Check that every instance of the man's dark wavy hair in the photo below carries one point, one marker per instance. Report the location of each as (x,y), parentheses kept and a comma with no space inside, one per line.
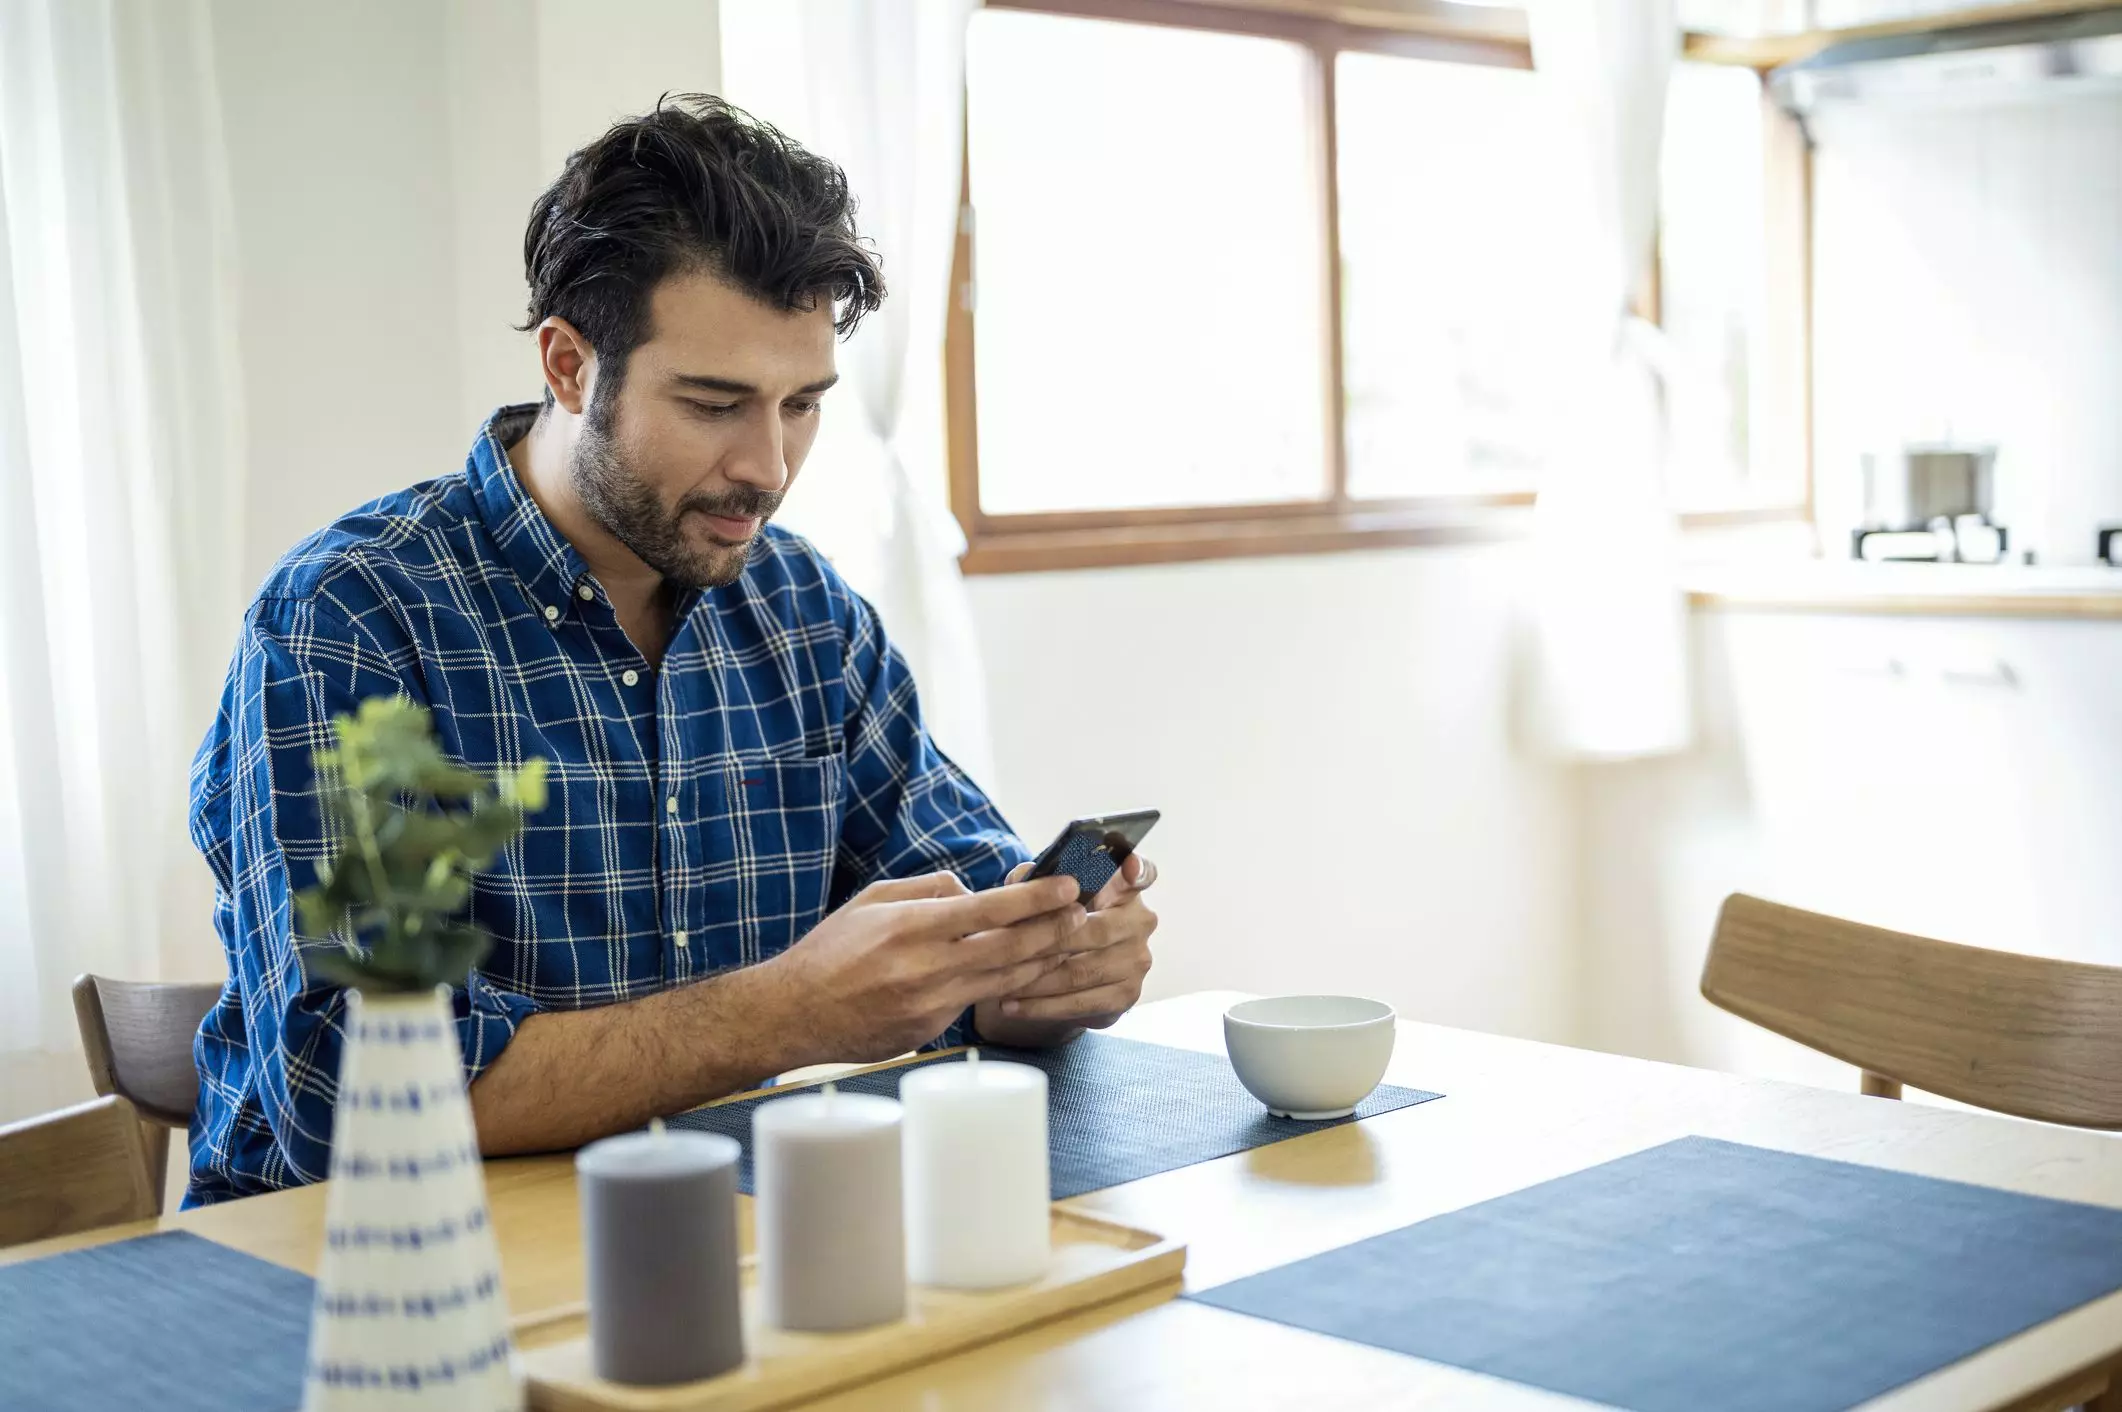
(695,185)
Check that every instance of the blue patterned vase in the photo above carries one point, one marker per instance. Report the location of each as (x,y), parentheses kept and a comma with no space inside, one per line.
(409,1312)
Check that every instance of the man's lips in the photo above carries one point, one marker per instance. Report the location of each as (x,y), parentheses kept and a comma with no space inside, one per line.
(724,527)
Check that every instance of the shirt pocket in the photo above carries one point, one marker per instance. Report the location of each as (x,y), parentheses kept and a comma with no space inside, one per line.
(785,818)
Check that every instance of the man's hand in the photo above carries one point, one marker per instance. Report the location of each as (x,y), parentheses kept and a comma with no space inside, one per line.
(891,969)
(1099,981)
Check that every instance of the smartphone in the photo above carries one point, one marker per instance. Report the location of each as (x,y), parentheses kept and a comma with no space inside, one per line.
(1092,850)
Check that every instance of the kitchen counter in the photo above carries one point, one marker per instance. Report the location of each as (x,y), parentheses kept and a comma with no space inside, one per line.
(1946,590)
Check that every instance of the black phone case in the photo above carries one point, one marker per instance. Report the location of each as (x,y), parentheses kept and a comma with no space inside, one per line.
(1092,850)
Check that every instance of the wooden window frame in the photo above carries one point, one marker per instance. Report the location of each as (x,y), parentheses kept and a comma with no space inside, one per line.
(1421,29)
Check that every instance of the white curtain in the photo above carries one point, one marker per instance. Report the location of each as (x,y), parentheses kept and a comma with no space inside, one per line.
(1608,615)
(880,89)
(120,498)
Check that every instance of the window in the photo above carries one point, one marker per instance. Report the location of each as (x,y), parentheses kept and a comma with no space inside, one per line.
(1441,333)
(1216,298)
(1173,200)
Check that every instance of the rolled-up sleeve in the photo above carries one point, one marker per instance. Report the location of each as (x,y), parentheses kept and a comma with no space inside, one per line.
(301,663)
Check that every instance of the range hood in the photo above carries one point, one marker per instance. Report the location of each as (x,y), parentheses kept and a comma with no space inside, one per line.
(2015,59)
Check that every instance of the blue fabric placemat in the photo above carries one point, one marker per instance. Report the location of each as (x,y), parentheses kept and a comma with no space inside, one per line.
(1117,1110)
(1707,1274)
(167,1322)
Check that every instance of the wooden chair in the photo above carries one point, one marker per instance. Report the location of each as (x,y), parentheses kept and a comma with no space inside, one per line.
(74,1170)
(138,1038)
(2024,1035)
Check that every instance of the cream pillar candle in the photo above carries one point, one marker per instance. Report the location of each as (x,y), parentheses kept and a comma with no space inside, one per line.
(831,1238)
(976,1174)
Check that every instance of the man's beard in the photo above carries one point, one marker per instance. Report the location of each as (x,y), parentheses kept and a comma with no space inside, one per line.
(618,500)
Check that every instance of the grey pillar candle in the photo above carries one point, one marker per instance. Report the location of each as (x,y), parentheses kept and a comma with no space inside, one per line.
(659,1230)
(830,1228)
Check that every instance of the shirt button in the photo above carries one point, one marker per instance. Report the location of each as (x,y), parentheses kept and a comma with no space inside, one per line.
(629,676)
(552,614)
(670,805)
(678,938)
(585,593)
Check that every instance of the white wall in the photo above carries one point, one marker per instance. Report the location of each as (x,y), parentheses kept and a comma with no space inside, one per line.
(337,120)
(384,158)
(1967,284)
(1328,738)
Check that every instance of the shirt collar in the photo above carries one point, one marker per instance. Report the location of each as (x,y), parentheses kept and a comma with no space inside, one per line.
(550,569)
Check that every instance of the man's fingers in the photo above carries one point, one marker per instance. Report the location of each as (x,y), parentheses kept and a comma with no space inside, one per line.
(1017,873)
(1003,906)
(1130,921)
(1136,874)
(913,889)
(1087,970)
(1082,1006)
(987,984)
(1043,937)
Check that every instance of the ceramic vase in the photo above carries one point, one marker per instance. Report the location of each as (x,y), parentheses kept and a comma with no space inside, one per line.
(409,1311)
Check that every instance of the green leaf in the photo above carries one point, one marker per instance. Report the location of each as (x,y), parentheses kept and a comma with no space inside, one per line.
(351,968)
(446,781)
(320,916)
(457,950)
(526,787)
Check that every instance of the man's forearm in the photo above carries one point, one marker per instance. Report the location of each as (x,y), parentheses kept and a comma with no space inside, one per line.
(570,1076)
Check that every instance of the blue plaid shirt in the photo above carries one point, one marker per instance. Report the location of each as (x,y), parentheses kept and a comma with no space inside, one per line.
(702,816)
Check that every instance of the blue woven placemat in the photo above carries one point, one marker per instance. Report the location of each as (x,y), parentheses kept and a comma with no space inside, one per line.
(166,1322)
(1117,1110)
(1707,1274)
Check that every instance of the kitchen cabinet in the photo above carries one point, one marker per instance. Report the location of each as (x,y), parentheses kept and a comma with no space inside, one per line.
(1953,776)
(1959,777)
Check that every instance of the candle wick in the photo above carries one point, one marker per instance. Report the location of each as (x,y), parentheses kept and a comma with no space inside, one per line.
(830,1090)
(655,1128)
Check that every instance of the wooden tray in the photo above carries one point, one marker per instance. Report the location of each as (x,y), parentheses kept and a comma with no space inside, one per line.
(1094,1262)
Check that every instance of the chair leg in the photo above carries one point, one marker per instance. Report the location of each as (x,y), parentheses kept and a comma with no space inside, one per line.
(157,1139)
(1880,1086)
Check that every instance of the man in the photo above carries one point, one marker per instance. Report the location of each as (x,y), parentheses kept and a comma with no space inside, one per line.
(753,857)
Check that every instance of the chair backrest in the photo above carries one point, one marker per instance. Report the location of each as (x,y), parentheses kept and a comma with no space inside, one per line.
(2025,1035)
(138,1037)
(73,1170)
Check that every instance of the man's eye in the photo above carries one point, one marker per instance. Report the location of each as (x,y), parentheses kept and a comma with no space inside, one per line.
(713,410)
(806,407)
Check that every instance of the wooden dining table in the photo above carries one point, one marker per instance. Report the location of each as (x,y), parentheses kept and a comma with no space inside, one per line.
(1514,1113)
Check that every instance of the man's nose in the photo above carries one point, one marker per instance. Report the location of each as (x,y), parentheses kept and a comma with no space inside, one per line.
(760,458)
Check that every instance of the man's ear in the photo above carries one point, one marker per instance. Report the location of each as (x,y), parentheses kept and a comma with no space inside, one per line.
(568,362)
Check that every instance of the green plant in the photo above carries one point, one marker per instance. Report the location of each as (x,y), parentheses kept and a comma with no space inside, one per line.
(412,828)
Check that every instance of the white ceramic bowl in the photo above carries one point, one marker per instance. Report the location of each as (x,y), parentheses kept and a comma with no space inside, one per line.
(1310,1056)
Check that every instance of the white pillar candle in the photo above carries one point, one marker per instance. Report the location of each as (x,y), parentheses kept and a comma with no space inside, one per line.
(976,1176)
(831,1238)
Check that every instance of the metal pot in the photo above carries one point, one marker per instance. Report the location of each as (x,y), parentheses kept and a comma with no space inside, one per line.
(1913,488)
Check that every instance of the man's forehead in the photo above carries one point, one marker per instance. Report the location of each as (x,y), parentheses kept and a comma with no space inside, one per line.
(702,325)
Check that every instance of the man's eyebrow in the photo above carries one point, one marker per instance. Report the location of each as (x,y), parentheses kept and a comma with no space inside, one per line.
(742,389)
